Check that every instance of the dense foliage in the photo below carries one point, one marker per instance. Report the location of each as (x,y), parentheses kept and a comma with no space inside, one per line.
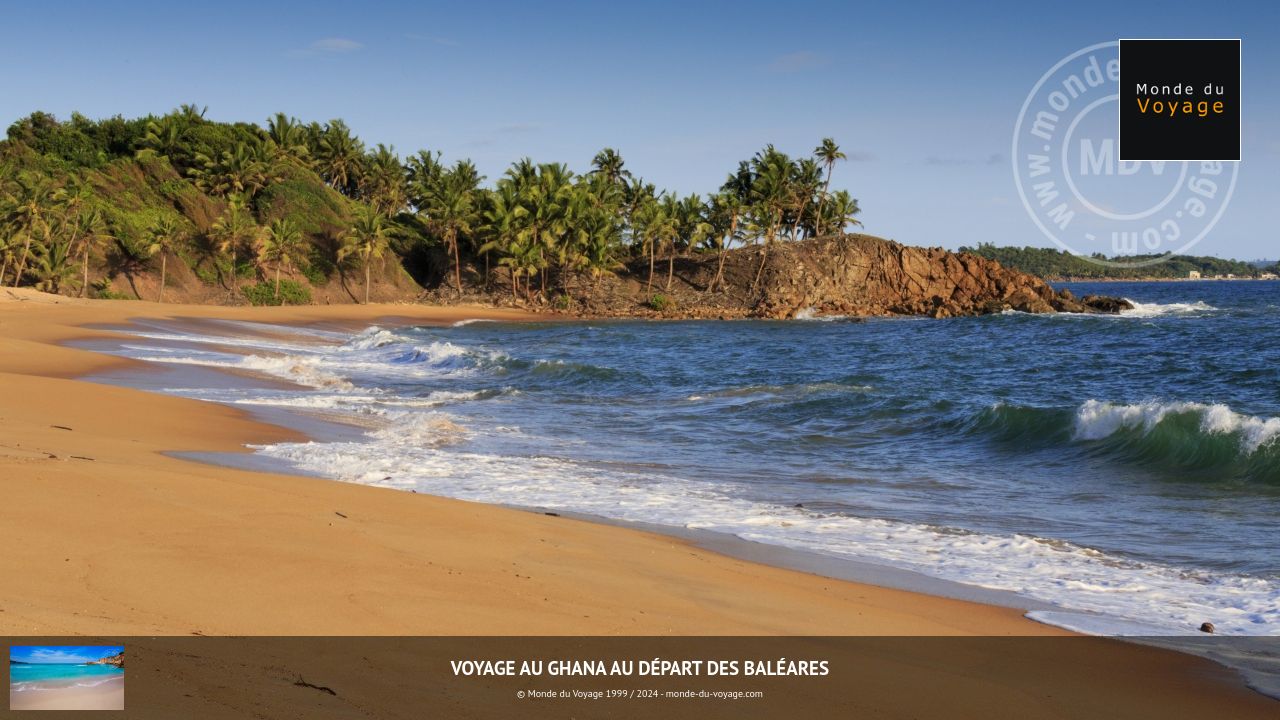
(236,201)
(1056,265)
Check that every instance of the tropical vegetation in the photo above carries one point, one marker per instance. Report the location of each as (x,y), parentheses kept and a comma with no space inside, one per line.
(243,208)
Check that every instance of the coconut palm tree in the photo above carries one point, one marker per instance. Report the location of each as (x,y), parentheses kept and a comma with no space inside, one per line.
(367,240)
(544,195)
(839,213)
(771,190)
(452,209)
(636,196)
(243,171)
(423,172)
(598,236)
(280,245)
(163,137)
(827,153)
(383,181)
(91,229)
(523,260)
(231,232)
(501,224)
(806,175)
(34,204)
(608,164)
(725,211)
(164,234)
(53,266)
(341,156)
(688,226)
(287,139)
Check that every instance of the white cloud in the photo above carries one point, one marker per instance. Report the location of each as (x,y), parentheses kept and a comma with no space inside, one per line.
(55,655)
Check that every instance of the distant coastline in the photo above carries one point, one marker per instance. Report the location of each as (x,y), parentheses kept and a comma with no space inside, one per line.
(1059,279)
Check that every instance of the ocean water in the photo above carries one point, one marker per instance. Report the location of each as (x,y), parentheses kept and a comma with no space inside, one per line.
(1123,468)
(44,676)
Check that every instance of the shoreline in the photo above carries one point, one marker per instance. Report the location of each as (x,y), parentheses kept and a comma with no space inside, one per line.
(107,694)
(252,531)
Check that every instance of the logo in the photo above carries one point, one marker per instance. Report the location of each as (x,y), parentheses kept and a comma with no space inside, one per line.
(1082,196)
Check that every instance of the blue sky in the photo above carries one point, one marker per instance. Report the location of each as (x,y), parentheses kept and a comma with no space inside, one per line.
(62,653)
(923,96)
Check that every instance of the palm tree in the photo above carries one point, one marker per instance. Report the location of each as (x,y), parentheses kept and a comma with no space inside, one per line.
(685,224)
(502,217)
(806,174)
(839,213)
(423,172)
(73,197)
(341,155)
(608,164)
(544,192)
(287,139)
(163,137)
(34,203)
(636,196)
(651,225)
(452,210)
(164,234)
(367,240)
(243,171)
(598,232)
(230,232)
(827,153)
(726,209)
(383,182)
(522,260)
(53,266)
(280,245)
(771,191)
(91,229)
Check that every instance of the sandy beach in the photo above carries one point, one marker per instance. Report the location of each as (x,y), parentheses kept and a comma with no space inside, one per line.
(106,534)
(107,695)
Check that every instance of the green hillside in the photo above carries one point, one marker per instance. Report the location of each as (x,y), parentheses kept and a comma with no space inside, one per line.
(181,207)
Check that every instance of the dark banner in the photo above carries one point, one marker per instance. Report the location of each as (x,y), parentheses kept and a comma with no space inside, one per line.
(636,677)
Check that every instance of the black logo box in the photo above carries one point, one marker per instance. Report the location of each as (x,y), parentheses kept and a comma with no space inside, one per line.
(1187,68)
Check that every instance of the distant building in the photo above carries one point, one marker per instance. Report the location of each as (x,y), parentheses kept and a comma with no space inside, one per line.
(1268,276)
(1193,275)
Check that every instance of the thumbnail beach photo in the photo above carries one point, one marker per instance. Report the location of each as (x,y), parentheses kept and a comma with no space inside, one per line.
(66,677)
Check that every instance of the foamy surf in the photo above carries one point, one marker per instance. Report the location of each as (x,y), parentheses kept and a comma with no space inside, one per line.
(916,445)
(1096,420)
(1052,571)
(1150,310)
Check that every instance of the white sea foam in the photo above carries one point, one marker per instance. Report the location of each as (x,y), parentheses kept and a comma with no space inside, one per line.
(426,458)
(811,314)
(1139,310)
(1147,310)
(1096,420)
